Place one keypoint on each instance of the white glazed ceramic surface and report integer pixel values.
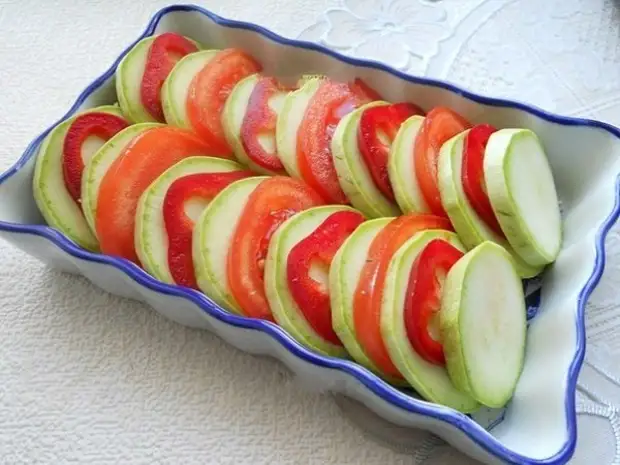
(539, 424)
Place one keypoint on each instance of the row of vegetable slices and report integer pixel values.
(364, 228)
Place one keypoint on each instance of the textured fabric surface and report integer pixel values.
(86, 377)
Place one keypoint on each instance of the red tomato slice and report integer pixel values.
(142, 161)
(473, 174)
(318, 248)
(423, 298)
(179, 226)
(440, 125)
(97, 124)
(209, 90)
(165, 51)
(269, 205)
(330, 103)
(369, 291)
(377, 130)
(260, 120)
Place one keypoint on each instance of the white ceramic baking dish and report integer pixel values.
(539, 425)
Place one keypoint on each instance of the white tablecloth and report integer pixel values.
(89, 378)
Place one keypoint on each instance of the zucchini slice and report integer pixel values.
(176, 87)
(289, 120)
(285, 308)
(522, 192)
(97, 167)
(232, 118)
(353, 174)
(128, 78)
(483, 324)
(151, 237)
(431, 381)
(58, 208)
(401, 168)
(471, 229)
(212, 239)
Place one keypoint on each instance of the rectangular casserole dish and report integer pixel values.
(539, 425)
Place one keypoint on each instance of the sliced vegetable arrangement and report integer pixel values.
(99, 164)
(297, 273)
(249, 121)
(411, 311)
(175, 89)
(60, 165)
(146, 157)
(209, 90)
(357, 279)
(471, 228)
(329, 104)
(360, 148)
(271, 203)
(367, 229)
(142, 72)
(168, 210)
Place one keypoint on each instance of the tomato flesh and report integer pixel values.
(440, 125)
(209, 90)
(369, 290)
(423, 298)
(473, 174)
(179, 226)
(260, 121)
(318, 249)
(272, 202)
(329, 104)
(377, 130)
(97, 124)
(141, 162)
(166, 49)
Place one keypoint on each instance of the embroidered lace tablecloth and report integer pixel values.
(89, 378)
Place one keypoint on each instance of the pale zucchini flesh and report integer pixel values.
(469, 226)
(286, 311)
(232, 118)
(523, 196)
(128, 80)
(57, 206)
(212, 239)
(151, 237)
(353, 174)
(483, 324)
(98, 166)
(344, 276)
(289, 120)
(176, 87)
(401, 168)
(431, 381)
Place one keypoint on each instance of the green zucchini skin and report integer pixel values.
(483, 324)
(522, 192)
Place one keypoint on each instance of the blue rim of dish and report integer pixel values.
(379, 387)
